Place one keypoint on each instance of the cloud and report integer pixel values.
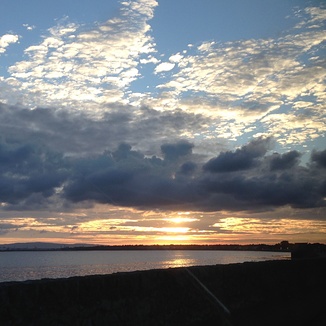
(285, 161)
(92, 64)
(188, 168)
(127, 160)
(242, 159)
(28, 171)
(164, 66)
(144, 127)
(319, 157)
(297, 189)
(312, 17)
(254, 86)
(131, 179)
(29, 27)
(174, 151)
(109, 179)
(175, 58)
(6, 40)
(251, 81)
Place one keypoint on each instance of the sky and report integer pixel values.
(162, 121)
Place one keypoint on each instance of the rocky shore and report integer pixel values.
(261, 293)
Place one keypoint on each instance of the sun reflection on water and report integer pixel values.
(182, 262)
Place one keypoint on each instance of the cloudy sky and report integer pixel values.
(162, 121)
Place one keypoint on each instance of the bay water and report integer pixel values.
(32, 265)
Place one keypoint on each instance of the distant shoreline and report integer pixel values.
(231, 247)
(297, 250)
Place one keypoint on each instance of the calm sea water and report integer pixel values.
(31, 265)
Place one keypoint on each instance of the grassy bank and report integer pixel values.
(260, 293)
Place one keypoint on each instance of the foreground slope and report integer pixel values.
(260, 293)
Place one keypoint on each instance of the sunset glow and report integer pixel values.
(121, 123)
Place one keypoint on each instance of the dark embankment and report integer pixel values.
(265, 293)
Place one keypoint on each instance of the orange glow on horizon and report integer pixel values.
(150, 228)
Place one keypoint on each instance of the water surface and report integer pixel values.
(31, 265)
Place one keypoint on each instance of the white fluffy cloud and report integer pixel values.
(164, 66)
(175, 58)
(6, 40)
(75, 63)
(246, 87)
(245, 84)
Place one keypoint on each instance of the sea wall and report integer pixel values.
(264, 293)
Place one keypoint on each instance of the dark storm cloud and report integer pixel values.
(174, 151)
(126, 177)
(133, 180)
(274, 180)
(242, 159)
(296, 189)
(9, 156)
(188, 168)
(285, 161)
(78, 133)
(319, 158)
(26, 170)
(55, 159)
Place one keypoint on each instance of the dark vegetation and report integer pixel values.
(299, 249)
(287, 292)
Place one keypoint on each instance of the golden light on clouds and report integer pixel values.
(180, 217)
(273, 226)
(172, 239)
(162, 227)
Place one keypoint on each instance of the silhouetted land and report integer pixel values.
(255, 247)
(289, 292)
(298, 250)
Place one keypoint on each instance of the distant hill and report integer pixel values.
(40, 246)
